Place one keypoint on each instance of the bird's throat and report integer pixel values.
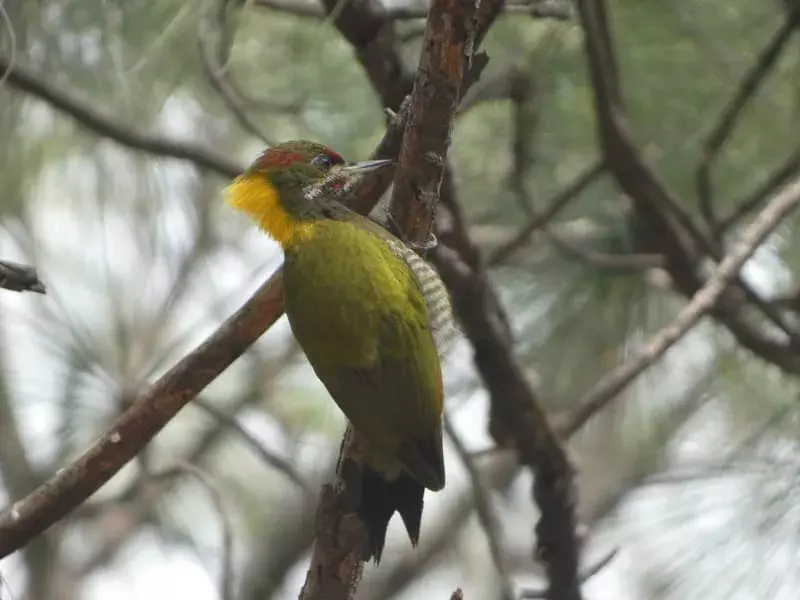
(255, 196)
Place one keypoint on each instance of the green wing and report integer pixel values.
(363, 324)
(396, 403)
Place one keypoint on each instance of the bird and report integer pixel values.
(371, 316)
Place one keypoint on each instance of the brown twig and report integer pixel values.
(669, 229)
(152, 410)
(267, 456)
(217, 76)
(606, 260)
(780, 207)
(719, 135)
(86, 116)
(518, 421)
(539, 220)
(591, 572)
(226, 571)
(20, 278)
(763, 192)
(370, 31)
(484, 509)
(340, 538)
(524, 119)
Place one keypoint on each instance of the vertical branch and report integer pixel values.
(336, 564)
(446, 56)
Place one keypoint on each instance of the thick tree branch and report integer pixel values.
(151, 411)
(336, 563)
(446, 57)
(369, 29)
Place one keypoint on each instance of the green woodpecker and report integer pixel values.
(370, 315)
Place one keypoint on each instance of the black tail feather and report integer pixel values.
(379, 501)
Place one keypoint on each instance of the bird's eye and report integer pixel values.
(322, 160)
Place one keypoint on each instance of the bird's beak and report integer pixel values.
(367, 166)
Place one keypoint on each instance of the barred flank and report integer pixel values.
(437, 297)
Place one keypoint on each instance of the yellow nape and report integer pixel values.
(255, 196)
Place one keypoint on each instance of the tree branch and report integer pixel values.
(74, 483)
(83, 114)
(487, 516)
(151, 411)
(667, 227)
(518, 421)
(718, 136)
(762, 193)
(781, 206)
(446, 57)
(20, 278)
(336, 564)
(266, 455)
(539, 220)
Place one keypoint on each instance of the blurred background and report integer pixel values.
(688, 481)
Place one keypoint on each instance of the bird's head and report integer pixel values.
(294, 183)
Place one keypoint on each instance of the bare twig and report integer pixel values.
(781, 206)
(20, 278)
(539, 220)
(369, 30)
(152, 410)
(484, 509)
(213, 489)
(524, 118)
(605, 260)
(278, 463)
(518, 421)
(85, 115)
(12, 41)
(669, 228)
(720, 134)
(217, 75)
(763, 192)
(591, 572)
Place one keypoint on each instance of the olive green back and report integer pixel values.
(359, 314)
